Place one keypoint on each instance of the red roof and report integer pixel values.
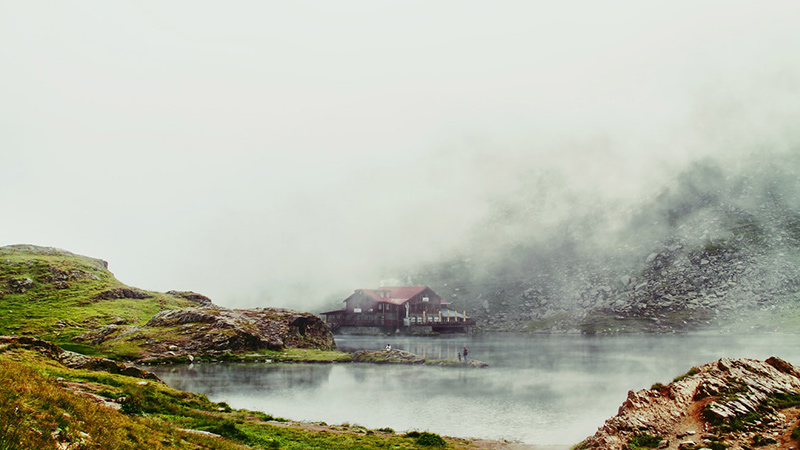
(396, 295)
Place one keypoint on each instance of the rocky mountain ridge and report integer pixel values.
(721, 240)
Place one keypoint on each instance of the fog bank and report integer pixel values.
(282, 154)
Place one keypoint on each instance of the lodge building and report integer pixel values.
(404, 309)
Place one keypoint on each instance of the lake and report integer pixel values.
(539, 389)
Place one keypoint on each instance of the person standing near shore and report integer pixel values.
(465, 353)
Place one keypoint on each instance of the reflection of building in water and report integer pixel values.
(406, 309)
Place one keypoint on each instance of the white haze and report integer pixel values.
(282, 153)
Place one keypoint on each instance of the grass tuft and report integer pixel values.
(693, 371)
(643, 441)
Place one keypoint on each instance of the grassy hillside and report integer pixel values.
(57, 295)
(75, 302)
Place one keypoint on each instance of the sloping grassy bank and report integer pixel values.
(45, 405)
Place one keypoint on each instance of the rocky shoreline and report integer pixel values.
(403, 357)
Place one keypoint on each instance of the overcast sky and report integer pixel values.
(277, 153)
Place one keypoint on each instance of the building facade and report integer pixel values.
(408, 309)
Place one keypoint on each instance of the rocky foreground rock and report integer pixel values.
(730, 403)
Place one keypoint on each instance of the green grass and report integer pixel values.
(785, 400)
(643, 441)
(739, 423)
(303, 355)
(691, 372)
(796, 433)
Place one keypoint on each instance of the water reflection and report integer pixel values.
(538, 390)
(220, 380)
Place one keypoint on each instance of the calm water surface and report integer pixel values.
(545, 390)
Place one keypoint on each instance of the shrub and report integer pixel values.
(796, 433)
(386, 430)
(132, 406)
(430, 440)
(222, 406)
(645, 440)
(760, 441)
(228, 429)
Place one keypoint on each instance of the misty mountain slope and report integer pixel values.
(718, 247)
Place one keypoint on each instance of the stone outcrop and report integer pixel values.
(212, 330)
(118, 293)
(74, 360)
(98, 335)
(193, 296)
(730, 403)
(387, 357)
